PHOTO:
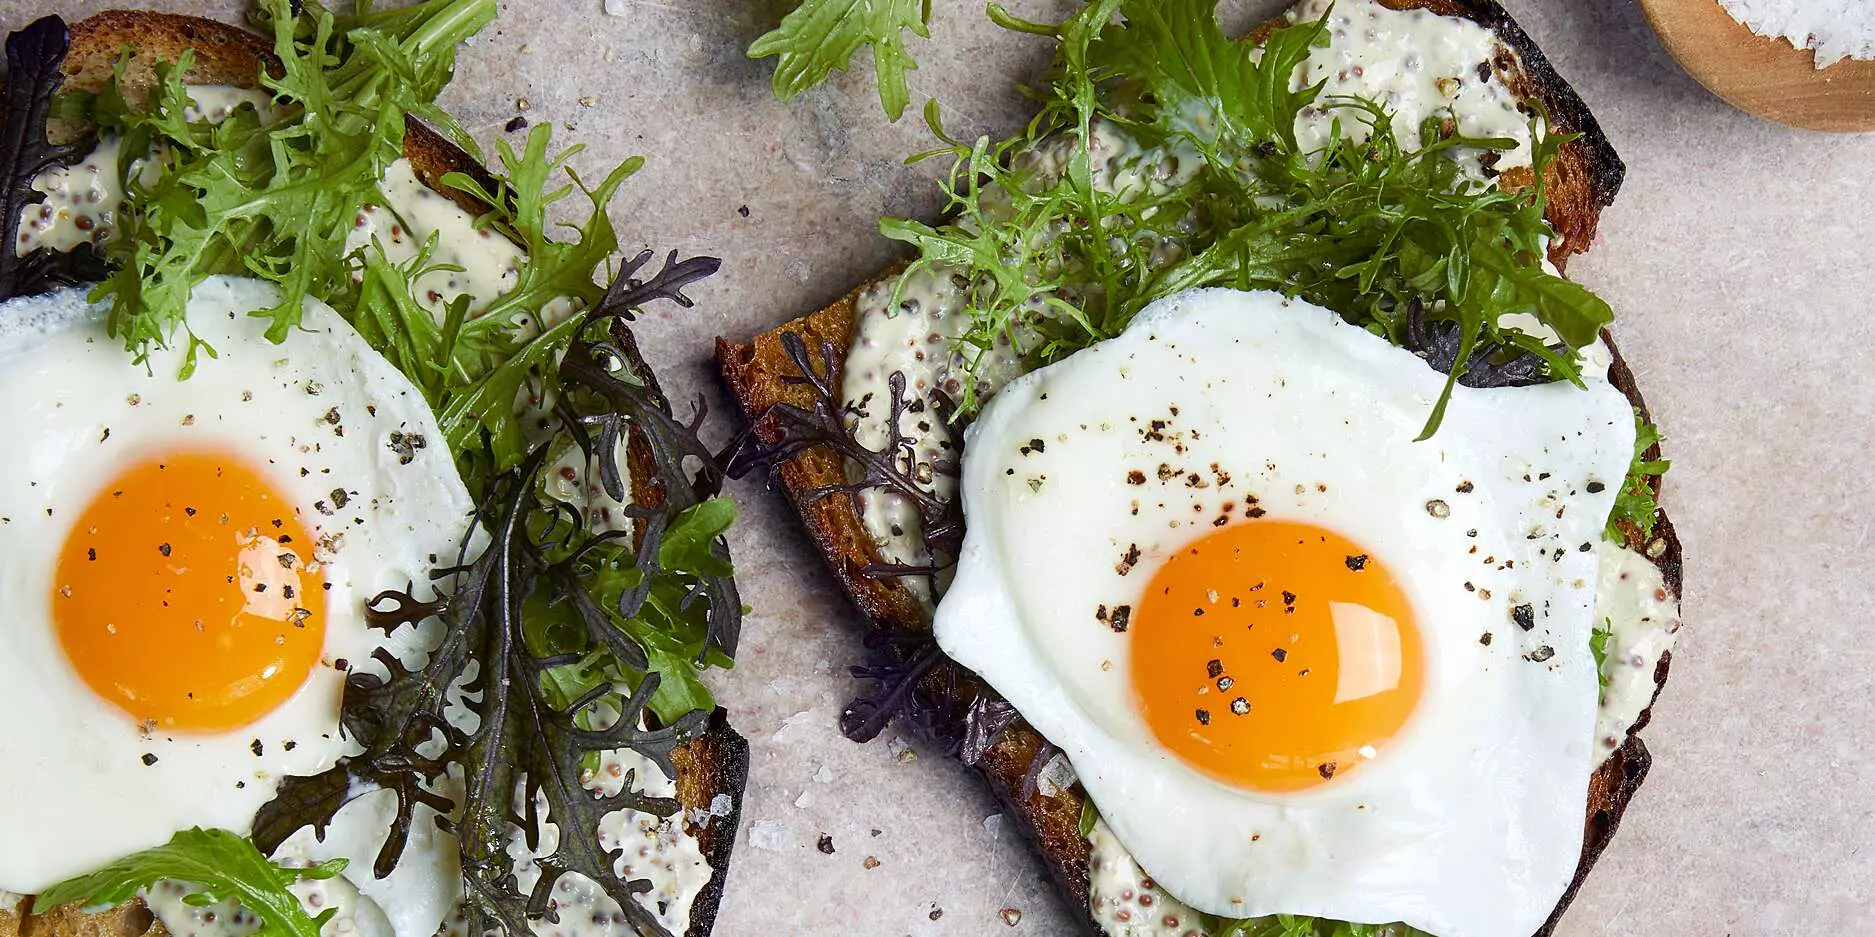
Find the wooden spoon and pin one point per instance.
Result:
(1767, 77)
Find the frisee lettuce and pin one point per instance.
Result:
(223, 864)
(821, 36)
(1635, 504)
(1374, 230)
(672, 631)
(270, 198)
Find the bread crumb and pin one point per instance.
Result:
(872, 862)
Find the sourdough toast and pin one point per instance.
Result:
(763, 373)
(714, 765)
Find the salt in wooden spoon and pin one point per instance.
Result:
(1767, 77)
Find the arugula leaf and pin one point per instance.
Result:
(226, 865)
(1383, 234)
(1598, 646)
(1635, 504)
(275, 198)
(820, 37)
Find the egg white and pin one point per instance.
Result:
(1469, 824)
(76, 792)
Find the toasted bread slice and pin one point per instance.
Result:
(760, 375)
(715, 764)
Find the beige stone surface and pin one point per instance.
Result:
(1739, 259)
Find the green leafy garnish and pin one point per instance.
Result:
(563, 636)
(821, 36)
(223, 864)
(1598, 646)
(1290, 925)
(1059, 254)
(583, 638)
(271, 197)
(1635, 504)
(1089, 816)
(470, 369)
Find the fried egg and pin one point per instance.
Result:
(1302, 663)
(184, 565)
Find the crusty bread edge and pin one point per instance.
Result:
(1585, 180)
(715, 763)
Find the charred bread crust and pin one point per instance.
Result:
(759, 374)
(716, 762)
(1588, 173)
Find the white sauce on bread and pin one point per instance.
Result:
(80, 205)
(409, 215)
(1634, 603)
(82, 200)
(1418, 65)
(663, 850)
(1124, 902)
(353, 913)
(215, 103)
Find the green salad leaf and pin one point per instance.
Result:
(1635, 504)
(821, 37)
(1289, 925)
(271, 196)
(1165, 159)
(225, 865)
(1598, 646)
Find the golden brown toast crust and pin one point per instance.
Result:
(1585, 179)
(715, 763)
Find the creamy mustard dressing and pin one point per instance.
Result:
(663, 850)
(409, 215)
(80, 205)
(354, 915)
(82, 201)
(919, 337)
(214, 103)
(574, 480)
(1634, 603)
(1124, 902)
(1418, 65)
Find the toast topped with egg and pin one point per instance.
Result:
(617, 736)
(863, 409)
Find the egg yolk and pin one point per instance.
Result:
(184, 595)
(1275, 656)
